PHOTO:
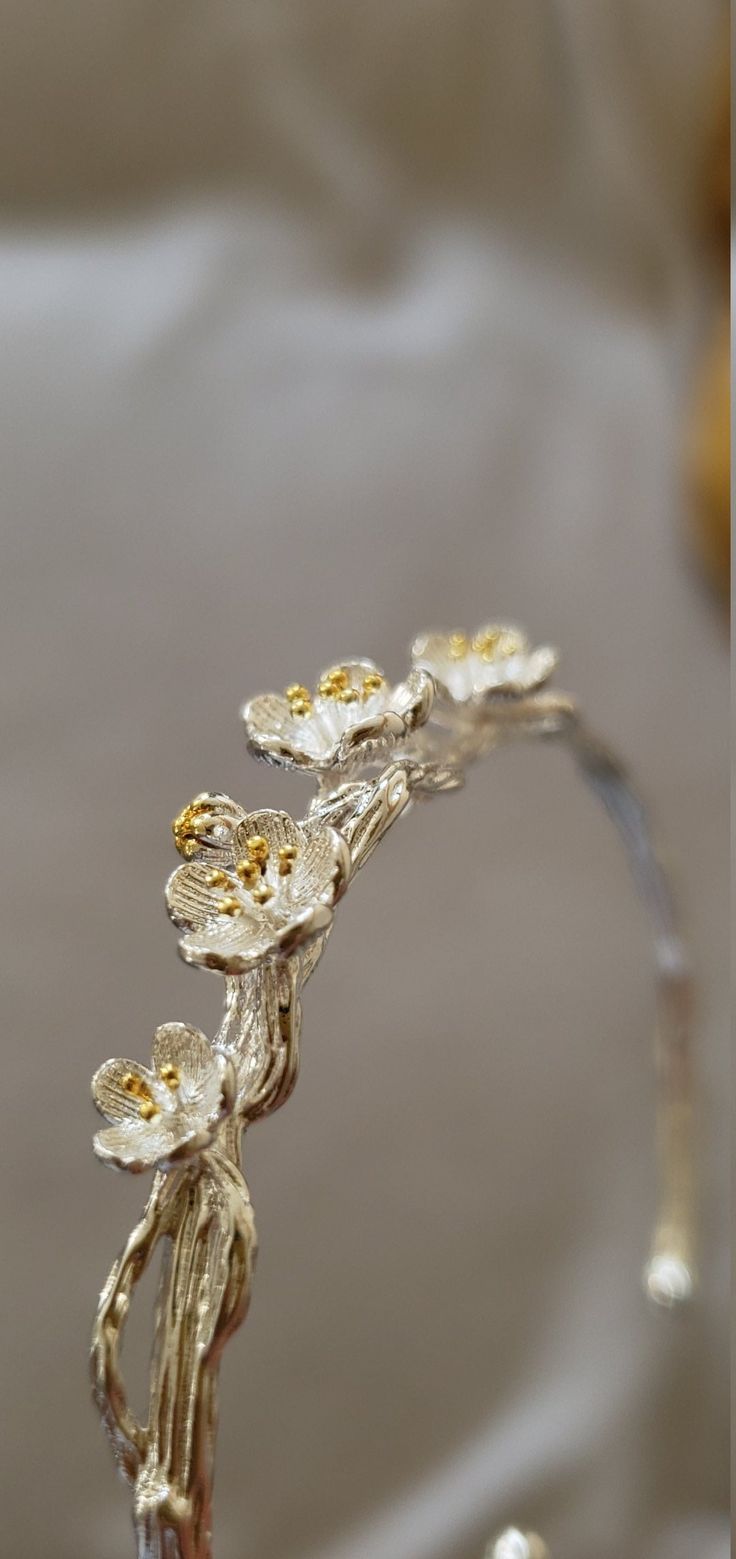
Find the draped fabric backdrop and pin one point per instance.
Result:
(322, 323)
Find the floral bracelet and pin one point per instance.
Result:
(254, 899)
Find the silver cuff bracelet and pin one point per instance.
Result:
(254, 899)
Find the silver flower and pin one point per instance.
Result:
(498, 659)
(352, 716)
(264, 896)
(168, 1111)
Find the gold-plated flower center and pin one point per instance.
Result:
(188, 825)
(207, 820)
(258, 849)
(170, 1075)
(338, 677)
(372, 683)
(497, 643)
(137, 1087)
(249, 872)
(300, 700)
(335, 685)
(486, 642)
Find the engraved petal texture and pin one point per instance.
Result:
(186, 1048)
(321, 869)
(277, 828)
(190, 898)
(134, 1149)
(111, 1098)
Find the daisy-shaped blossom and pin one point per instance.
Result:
(498, 659)
(168, 1111)
(352, 716)
(271, 891)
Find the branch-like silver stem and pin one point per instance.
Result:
(199, 1205)
(204, 1295)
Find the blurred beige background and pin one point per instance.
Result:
(320, 324)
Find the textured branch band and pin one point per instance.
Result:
(254, 900)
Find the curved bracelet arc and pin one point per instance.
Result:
(254, 900)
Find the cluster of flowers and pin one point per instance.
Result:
(257, 887)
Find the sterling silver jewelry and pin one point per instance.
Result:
(254, 899)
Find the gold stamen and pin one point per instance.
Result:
(263, 893)
(510, 643)
(327, 689)
(217, 879)
(136, 1086)
(458, 646)
(170, 1075)
(372, 681)
(486, 642)
(258, 848)
(301, 707)
(148, 1110)
(192, 821)
(287, 857)
(249, 872)
(230, 906)
(338, 677)
(184, 836)
(348, 695)
(297, 690)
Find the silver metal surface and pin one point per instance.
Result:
(513, 1544)
(255, 900)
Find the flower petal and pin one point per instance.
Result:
(145, 1144)
(277, 828)
(333, 731)
(464, 673)
(312, 922)
(413, 698)
(136, 1146)
(273, 733)
(322, 867)
(185, 1047)
(539, 666)
(367, 737)
(111, 1098)
(190, 898)
(230, 951)
(432, 652)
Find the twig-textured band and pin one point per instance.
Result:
(254, 899)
